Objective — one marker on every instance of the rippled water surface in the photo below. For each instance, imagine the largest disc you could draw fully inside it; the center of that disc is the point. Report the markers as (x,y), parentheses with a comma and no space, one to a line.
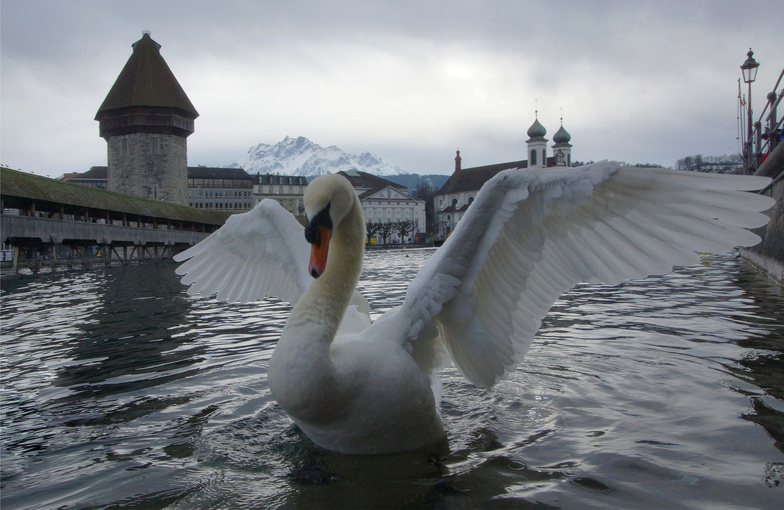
(120,391)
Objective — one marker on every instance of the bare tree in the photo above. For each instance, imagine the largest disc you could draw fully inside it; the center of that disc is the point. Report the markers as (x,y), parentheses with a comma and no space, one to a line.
(385,230)
(405,227)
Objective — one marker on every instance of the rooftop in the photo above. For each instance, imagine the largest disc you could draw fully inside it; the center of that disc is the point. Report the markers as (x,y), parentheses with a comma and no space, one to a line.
(471,179)
(366,184)
(146,81)
(209,172)
(15,185)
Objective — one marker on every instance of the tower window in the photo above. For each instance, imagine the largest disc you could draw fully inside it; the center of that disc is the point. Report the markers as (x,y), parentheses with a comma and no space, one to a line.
(533,158)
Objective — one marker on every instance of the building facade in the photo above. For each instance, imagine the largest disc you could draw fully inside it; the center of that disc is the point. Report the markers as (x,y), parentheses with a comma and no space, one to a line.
(145,120)
(220,189)
(288,190)
(459,191)
(386,202)
(95,177)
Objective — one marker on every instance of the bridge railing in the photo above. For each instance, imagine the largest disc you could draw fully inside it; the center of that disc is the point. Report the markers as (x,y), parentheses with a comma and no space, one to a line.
(60,231)
(766,132)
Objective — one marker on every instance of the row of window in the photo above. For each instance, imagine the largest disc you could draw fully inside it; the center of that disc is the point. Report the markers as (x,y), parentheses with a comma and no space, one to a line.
(220,183)
(282,179)
(280,190)
(222,206)
(380,212)
(378,202)
(454,202)
(208,193)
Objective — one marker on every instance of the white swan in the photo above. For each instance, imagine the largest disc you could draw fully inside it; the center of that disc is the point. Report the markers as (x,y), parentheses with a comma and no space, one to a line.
(530,235)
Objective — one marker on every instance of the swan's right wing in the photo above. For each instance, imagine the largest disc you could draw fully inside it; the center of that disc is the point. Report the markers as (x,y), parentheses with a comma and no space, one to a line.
(257,254)
(531,235)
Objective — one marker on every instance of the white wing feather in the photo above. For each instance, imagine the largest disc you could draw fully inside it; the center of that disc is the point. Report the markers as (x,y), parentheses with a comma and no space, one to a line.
(531,235)
(257,254)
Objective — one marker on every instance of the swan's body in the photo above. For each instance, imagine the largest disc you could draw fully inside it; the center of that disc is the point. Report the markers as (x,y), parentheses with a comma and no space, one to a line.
(357,387)
(335,383)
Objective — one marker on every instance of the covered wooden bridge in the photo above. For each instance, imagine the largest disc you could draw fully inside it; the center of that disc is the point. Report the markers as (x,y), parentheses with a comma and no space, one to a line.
(48,222)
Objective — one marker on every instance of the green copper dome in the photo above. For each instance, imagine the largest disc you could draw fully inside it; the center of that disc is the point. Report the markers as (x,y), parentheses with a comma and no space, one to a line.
(536,130)
(562,136)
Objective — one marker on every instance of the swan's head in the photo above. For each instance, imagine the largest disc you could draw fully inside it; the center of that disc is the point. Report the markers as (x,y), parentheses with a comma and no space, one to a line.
(328,200)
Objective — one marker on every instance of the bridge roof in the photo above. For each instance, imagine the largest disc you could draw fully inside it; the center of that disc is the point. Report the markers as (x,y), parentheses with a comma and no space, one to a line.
(15,184)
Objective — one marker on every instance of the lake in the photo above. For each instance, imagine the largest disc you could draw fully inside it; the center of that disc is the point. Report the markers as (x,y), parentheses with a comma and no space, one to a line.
(120,391)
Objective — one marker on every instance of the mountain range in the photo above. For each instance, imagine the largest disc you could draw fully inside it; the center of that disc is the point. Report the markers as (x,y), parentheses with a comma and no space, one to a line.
(300,156)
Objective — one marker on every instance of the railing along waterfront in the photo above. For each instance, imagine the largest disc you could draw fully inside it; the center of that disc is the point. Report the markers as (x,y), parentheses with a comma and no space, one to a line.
(766,132)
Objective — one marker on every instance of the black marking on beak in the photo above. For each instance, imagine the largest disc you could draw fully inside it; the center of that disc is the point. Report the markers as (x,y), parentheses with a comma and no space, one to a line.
(322,219)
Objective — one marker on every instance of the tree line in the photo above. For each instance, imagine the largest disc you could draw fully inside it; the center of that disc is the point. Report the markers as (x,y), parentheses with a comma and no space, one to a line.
(638,165)
(727,164)
(384,230)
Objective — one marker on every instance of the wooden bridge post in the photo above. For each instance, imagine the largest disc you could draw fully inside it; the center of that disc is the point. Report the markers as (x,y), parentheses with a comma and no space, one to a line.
(16,258)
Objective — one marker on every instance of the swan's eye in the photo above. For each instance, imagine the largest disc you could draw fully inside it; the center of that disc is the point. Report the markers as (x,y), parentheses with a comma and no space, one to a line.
(322,219)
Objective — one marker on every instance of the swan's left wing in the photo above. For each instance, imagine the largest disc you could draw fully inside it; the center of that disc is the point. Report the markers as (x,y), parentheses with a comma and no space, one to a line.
(260,253)
(531,235)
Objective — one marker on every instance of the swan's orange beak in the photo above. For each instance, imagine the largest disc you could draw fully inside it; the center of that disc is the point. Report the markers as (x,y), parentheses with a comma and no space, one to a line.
(317,232)
(318,252)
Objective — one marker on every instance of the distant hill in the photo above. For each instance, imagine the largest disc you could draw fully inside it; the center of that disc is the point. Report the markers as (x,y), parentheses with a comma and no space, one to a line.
(411,181)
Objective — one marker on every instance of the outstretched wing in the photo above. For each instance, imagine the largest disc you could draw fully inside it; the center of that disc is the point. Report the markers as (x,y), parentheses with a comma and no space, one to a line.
(260,253)
(531,235)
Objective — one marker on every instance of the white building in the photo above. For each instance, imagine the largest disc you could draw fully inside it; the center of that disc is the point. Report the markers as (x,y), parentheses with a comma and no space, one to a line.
(384,201)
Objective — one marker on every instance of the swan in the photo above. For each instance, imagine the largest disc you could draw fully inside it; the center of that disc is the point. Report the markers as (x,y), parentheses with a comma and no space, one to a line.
(361,387)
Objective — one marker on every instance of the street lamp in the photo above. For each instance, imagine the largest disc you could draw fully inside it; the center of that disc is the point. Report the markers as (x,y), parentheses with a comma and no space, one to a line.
(749,69)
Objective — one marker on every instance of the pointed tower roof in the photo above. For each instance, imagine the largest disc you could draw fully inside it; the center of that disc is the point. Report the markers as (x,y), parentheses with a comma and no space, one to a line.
(146,81)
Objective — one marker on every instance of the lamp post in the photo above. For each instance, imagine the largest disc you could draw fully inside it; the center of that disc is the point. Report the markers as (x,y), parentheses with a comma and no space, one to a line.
(749,69)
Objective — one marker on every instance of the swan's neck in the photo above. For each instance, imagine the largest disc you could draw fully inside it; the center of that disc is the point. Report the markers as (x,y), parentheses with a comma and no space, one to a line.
(326,299)
(303,351)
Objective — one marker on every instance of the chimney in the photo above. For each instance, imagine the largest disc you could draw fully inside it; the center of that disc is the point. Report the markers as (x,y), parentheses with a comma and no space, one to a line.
(458,159)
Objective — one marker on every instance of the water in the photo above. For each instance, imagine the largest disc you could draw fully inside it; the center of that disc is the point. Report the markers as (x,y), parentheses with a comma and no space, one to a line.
(120,391)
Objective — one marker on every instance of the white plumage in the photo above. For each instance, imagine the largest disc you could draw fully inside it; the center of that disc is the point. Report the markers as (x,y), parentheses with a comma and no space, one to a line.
(529,236)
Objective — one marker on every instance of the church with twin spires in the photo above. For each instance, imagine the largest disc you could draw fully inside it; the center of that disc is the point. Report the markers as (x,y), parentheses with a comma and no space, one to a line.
(457,193)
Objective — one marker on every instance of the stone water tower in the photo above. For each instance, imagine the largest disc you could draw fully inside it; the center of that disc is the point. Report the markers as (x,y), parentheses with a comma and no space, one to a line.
(145,120)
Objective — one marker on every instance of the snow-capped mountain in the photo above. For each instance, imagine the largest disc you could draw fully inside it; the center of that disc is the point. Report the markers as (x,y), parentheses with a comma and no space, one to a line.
(300,156)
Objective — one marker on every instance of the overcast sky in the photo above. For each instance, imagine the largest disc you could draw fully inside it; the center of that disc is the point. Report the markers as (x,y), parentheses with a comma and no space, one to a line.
(408,81)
